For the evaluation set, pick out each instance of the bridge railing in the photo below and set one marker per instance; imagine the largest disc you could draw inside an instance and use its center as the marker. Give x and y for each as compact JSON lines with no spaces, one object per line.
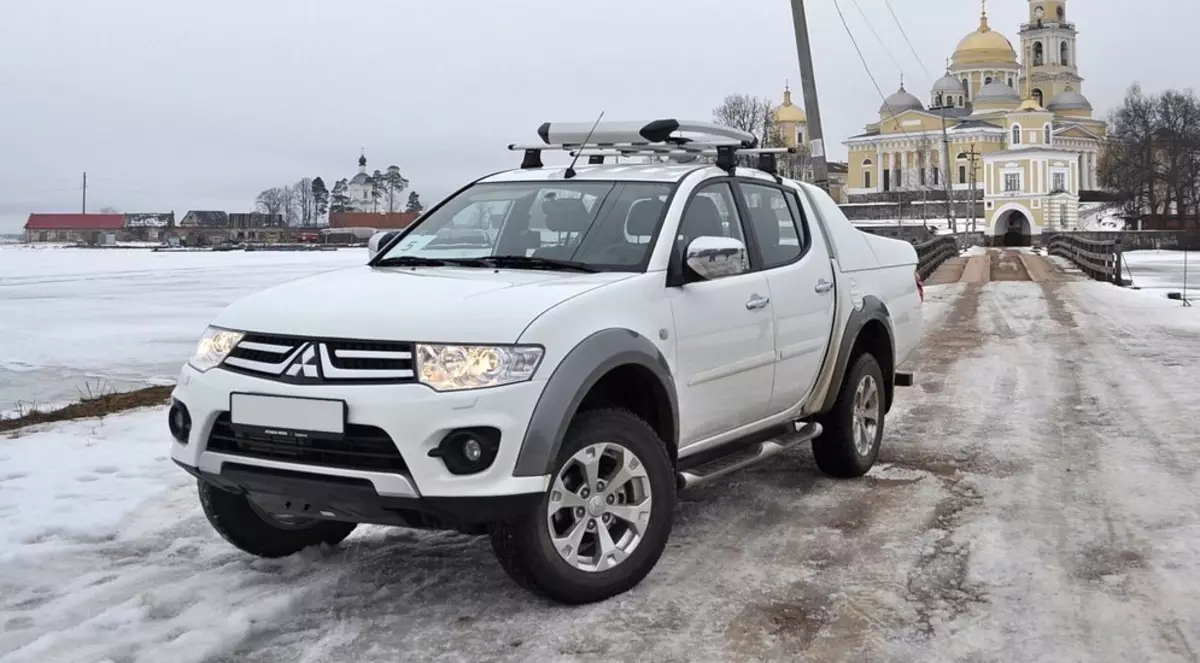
{"x":932,"y":254}
{"x":1099,"y":259}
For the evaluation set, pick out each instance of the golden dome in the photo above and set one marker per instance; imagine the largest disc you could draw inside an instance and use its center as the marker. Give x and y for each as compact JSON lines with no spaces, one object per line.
{"x":790,"y":112}
{"x":985,"y":46}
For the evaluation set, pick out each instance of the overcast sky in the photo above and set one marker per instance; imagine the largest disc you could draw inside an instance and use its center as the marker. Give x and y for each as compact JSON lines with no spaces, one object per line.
{"x":200,"y":105}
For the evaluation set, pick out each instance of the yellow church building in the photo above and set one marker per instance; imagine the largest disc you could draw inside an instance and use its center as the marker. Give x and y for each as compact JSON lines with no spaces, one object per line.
{"x":1020,"y":132}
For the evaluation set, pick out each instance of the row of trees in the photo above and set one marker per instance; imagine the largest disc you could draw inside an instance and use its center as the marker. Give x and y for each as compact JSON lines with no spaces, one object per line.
{"x":1151,"y":164}
{"x":300,"y":204}
{"x":306,"y":202}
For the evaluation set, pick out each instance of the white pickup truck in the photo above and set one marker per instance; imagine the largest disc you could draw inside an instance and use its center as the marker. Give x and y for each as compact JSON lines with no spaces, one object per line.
{"x":549,"y":354}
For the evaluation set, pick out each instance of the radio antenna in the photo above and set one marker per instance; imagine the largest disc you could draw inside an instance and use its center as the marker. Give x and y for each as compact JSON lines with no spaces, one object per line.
{"x":571,"y":168}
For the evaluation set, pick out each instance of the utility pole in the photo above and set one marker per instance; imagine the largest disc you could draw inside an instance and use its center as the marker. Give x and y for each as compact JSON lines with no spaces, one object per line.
{"x":972,"y":157}
{"x":808,"y":86}
{"x":949,"y":177}
{"x":85,"y":192}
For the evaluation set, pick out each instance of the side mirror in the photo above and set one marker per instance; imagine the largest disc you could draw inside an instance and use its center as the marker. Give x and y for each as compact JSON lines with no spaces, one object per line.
{"x":712,"y":257}
{"x":377,"y":241}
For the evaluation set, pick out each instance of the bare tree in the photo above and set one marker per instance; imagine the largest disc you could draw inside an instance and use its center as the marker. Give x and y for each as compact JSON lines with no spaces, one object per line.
{"x":745,"y":112}
{"x":291,"y":210}
{"x":1152,"y":161}
{"x":923,"y":177}
{"x":272,"y":201}
{"x":306,"y":203}
{"x":750,"y":114}
{"x":794,"y":166}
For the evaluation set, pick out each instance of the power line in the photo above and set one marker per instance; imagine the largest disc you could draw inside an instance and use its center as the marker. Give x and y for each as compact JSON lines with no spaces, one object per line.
{"x":888,"y":107}
{"x":907,"y":40}
{"x":877,"y":37}
{"x":867,"y":67}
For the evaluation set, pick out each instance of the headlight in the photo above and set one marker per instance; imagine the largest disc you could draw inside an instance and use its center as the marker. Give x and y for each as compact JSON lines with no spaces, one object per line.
{"x":455,"y":367}
{"x":214,"y":346}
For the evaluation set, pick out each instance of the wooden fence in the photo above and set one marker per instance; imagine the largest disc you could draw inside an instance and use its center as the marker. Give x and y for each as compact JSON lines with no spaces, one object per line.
{"x":933,"y":253}
{"x":1099,"y":259}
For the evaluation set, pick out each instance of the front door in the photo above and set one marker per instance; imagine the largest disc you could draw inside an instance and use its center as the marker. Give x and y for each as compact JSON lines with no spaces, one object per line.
{"x":800,"y":278}
{"x":724,"y":330}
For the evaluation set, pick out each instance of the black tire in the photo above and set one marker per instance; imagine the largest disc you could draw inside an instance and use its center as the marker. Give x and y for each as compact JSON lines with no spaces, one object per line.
{"x":523,"y":545}
{"x":239,"y":523}
{"x":835,"y":451}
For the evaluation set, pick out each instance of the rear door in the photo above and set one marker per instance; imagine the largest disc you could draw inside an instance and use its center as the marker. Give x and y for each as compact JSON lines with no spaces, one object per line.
{"x":800,"y":278}
{"x":724,"y":328}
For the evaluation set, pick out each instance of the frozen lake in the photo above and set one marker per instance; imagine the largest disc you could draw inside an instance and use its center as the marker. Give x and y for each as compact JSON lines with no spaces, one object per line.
{"x":1160,"y":272}
{"x":71,"y":319}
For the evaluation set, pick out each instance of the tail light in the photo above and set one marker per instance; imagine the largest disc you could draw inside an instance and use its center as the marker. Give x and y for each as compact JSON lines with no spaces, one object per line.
{"x":920,"y":286}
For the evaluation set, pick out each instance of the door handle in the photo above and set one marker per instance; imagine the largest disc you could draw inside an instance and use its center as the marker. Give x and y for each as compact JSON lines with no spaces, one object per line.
{"x":823,"y":286}
{"x":756,"y":302}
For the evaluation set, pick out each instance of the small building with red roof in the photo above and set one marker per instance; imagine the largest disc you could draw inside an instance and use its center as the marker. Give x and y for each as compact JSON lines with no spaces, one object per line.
{"x":87,"y":228}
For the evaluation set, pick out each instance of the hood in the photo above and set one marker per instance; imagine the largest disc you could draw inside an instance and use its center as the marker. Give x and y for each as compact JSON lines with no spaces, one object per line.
{"x":443,"y":304}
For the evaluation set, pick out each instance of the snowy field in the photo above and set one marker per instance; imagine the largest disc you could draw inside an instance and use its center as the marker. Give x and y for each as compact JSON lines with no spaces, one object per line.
{"x":73,"y":319}
{"x":1160,"y":272}
{"x":1035,"y":501}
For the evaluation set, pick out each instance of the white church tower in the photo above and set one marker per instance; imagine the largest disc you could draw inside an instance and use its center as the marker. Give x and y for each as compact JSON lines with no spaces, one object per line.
{"x":359,"y":189}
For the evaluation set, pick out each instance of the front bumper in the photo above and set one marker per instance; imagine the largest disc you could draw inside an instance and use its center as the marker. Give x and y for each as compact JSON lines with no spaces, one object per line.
{"x":336,"y":498}
{"x":415,"y":417}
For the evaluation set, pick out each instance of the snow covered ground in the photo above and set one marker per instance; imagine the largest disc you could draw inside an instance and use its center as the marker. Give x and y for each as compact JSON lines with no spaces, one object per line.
{"x":73,"y":319}
{"x":1035,"y":501}
{"x":1160,"y":272}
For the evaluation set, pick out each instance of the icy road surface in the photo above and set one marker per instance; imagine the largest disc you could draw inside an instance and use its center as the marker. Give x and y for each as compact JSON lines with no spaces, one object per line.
{"x":73,"y":319}
{"x":1037,"y":500}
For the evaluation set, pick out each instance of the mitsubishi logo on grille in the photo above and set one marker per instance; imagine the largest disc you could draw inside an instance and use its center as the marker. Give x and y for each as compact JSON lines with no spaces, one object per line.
{"x":304,"y":363}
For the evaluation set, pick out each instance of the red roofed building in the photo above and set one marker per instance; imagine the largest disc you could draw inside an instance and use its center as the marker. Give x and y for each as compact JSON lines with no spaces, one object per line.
{"x":379,"y":221}
{"x":90,"y":228}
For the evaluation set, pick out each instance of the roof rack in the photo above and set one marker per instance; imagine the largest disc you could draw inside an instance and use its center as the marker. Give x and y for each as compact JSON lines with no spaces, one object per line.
{"x":654,"y":138}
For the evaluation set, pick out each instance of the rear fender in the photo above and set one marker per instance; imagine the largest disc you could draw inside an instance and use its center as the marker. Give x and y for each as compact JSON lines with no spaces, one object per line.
{"x":873,"y":309}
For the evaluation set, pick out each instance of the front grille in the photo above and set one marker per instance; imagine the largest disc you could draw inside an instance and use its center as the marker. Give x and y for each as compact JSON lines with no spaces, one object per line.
{"x":370,"y":355}
{"x":309,"y":360}
{"x":252,"y":348}
{"x":361,"y":448}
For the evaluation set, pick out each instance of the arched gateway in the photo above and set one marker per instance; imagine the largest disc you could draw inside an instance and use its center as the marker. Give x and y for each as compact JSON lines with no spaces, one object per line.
{"x":1013,"y":228}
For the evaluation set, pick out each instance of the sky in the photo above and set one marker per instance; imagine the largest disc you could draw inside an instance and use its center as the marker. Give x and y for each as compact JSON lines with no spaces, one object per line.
{"x":177,"y":106}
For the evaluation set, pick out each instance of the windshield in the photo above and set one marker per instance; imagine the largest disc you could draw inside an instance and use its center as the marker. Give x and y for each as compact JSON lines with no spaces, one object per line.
{"x":607,"y":226}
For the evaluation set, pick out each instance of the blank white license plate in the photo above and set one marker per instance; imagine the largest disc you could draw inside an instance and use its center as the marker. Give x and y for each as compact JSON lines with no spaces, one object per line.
{"x":288,"y":414}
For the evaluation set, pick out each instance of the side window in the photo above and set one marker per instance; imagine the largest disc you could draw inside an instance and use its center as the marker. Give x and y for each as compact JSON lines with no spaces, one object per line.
{"x":780,"y":240}
{"x":802,"y":238}
{"x":711,"y":213}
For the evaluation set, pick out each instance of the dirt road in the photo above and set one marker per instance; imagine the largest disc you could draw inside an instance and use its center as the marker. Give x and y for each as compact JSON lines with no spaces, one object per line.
{"x":1037,"y":500}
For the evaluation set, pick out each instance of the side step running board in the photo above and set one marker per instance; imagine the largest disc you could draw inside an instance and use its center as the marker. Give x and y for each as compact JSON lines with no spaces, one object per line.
{"x":746,"y":456}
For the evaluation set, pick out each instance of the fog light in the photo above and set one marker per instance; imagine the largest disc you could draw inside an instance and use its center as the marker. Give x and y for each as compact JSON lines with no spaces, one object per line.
{"x":472,"y":450}
{"x":179,"y":421}
{"x":468,"y":450}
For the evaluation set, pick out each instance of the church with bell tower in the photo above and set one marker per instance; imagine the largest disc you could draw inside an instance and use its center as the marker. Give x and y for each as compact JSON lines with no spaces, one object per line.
{"x":1021,"y":134}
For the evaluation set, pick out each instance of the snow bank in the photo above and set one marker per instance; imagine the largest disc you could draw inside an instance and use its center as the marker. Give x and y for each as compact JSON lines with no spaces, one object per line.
{"x":105,"y":555}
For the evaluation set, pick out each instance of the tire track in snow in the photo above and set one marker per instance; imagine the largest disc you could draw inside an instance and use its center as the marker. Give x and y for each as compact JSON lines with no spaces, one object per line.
{"x":1150,"y":465}
{"x":1068,"y":569}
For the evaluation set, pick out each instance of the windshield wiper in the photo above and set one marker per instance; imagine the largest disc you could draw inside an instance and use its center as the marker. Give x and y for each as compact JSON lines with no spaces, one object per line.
{"x":419,"y":261}
{"x":534,"y":262}
{"x":409,"y":261}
